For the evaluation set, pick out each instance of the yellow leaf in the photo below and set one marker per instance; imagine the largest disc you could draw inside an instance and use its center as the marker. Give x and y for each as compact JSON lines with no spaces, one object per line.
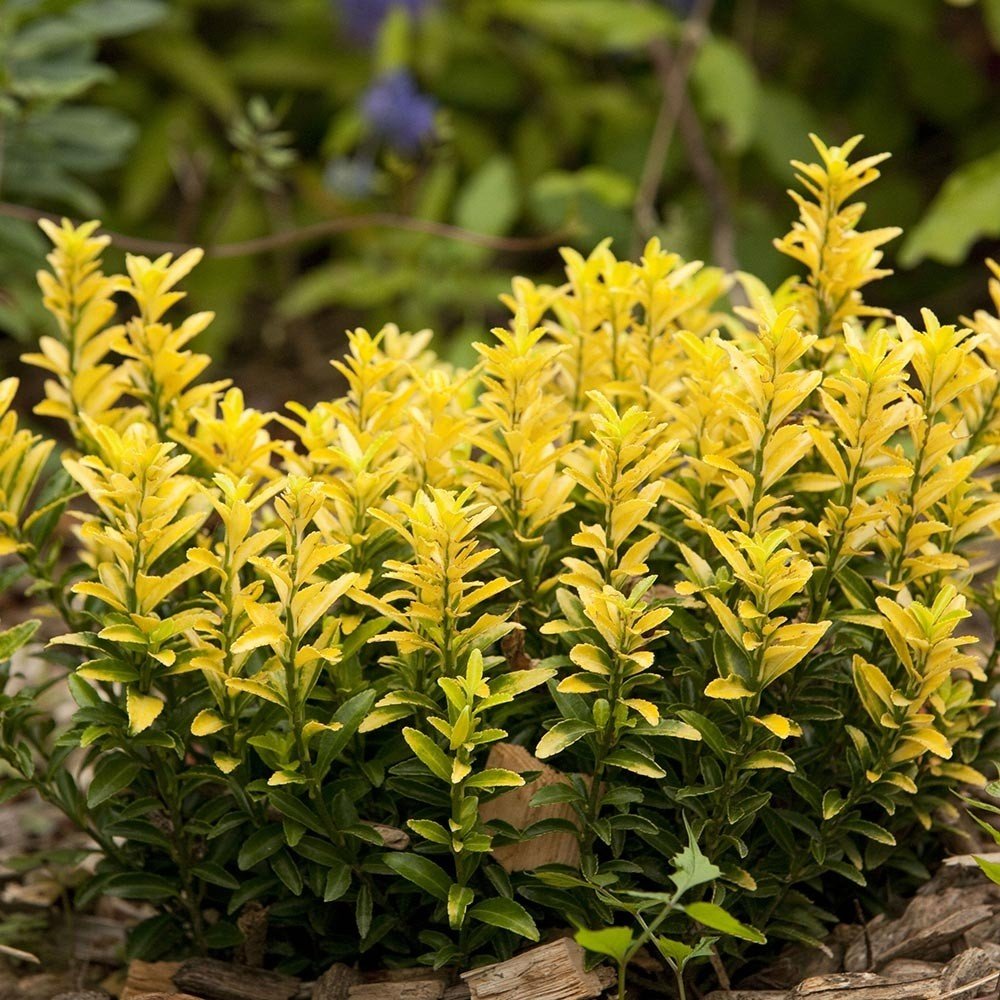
{"x":225,"y":763}
{"x":142,"y":709}
{"x":727,"y":688}
{"x":779,"y":725}
{"x":581,"y":684}
{"x":259,"y":635}
{"x":254,"y":687}
{"x":313,"y":727}
{"x":589,"y":657}
{"x":206,"y":722}
{"x":645,"y":708}
{"x":932,"y":740}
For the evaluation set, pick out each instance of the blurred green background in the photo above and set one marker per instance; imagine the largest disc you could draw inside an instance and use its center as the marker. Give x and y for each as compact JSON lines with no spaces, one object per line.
{"x":457,"y":142}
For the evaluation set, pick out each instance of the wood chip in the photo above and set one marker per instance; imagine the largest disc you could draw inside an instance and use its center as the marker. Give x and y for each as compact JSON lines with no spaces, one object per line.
{"x":969,"y":974}
{"x":214,"y":980}
{"x":928,"y":923}
{"x":748,"y":995}
{"x":515,"y":807}
{"x":144,"y":978}
{"x":552,"y":971}
{"x":411,"y":989}
{"x":864,"y":986}
{"x":36,"y":894}
{"x":392,"y":837}
{"x":165,"y":996}
{"x":901,"y":969}
{"x":969,"y":860}
{"x":336,"y":982}
{"x":253,"y":923}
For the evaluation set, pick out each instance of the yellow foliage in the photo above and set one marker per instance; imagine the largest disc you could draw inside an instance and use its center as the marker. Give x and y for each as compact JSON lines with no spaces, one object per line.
{"x":706,"y":523}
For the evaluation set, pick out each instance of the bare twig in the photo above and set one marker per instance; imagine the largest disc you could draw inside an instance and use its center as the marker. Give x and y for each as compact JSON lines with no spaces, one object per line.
{"x":311,"y":233}
{"x":17,"y":953}
{"x":706,"y":170}
{"x":719,"y":969}
{"x":673,"y":67}
{"x":869,"y":956}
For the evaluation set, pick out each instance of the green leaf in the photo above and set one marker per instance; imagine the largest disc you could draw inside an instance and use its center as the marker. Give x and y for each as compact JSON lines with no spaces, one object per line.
{"x":112,"y":775}
{"x":784,"y":123}
{"x":691,"y":867}
{"x":764,"y":759}
{"x":730,"y":659}
{"x":260,"y":845}
{"x":338,"y":881}
{"x":284,"y":866}
{"x":614,"y":942}
{"x":727,"y":89}
{"x":288,"y":805}
{"x":153,"y":937}
{"x":429,"y":830}
{"x":966,"y":209}
{"x":495,"y":777}
{"x":354,"y":284}
{"x":505,"y":913}
{"x":592,"y":25}
{"x":421,"y":872}
{"x":562,"y":735}
{"x":214,"y":873}
{"x":856,"y":588}
{"x":991,"y":15}
{"x":392,"y":51}
{"x":140,"y":885}
{"x":563,"y":188}
{"x":459,"y":899}
{"x":710,"y":732}
{"x":847,"y":871}
{"x":717,"y":919}
{"x":871,"y":830}
{"x":560,"y":791}
{"x":833,"y":803}
{"x":675,"y":951}
{"x":321,"y":851}
{"x":108,"y":18}
{"x":990,"y":868}
{"x":223,"y":935}
{"x":14,"y":638}
{"x":490,"y":201}
{"x":428,"y":753}
{"x":363,"y":907}
{"x":633,"y":760}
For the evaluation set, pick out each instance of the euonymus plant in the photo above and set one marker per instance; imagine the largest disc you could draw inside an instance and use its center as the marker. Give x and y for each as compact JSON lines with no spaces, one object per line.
{"x":712,"y":565}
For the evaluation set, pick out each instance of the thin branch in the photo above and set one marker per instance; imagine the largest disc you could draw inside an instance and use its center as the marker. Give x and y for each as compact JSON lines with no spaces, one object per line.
{"x":312,"y":233}
{"x":709,"y":176}
{"x":673,"y":67}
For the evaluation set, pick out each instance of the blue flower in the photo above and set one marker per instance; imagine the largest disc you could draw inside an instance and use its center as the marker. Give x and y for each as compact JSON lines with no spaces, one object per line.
{"x":363,"y":18}
{"x":398,"y":113}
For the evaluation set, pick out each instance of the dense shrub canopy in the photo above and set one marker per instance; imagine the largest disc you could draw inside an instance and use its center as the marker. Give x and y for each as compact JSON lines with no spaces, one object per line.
{"x":715,"y":566}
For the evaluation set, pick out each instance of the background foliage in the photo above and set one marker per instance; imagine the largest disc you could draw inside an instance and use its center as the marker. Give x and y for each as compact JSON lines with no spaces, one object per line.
{"x":211,"y":121}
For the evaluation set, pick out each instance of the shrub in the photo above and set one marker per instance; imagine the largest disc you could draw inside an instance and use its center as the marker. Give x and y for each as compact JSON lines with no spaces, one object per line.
{"x":713,"y":565}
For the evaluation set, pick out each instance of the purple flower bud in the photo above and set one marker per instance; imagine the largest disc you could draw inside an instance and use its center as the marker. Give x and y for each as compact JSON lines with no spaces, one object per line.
{"x":398,"y":113}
